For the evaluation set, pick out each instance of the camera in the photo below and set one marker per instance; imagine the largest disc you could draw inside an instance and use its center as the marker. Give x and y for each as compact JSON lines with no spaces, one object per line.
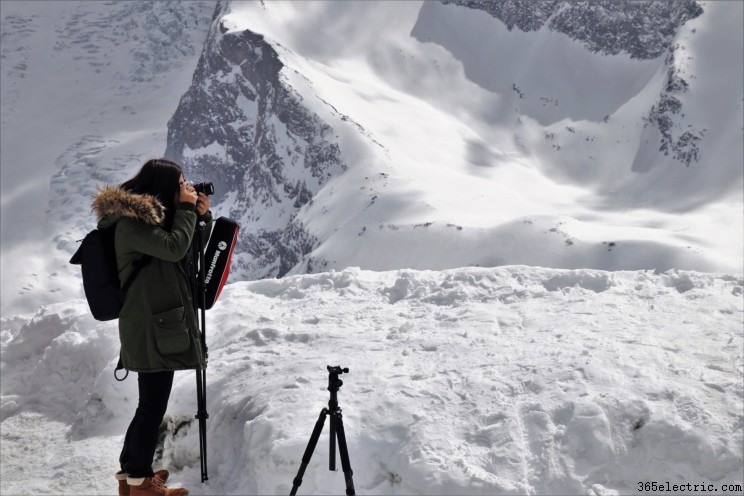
{"x":206,"y":188}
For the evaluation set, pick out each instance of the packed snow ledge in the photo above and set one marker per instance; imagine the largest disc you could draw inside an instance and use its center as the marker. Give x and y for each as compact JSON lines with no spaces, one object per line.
{"x":510,"y":380}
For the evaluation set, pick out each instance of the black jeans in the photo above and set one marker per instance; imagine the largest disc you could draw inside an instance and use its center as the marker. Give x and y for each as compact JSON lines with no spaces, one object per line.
{"x":142,"y":434}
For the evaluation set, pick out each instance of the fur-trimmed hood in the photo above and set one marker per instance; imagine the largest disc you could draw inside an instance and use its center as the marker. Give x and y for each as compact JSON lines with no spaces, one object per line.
{"x":111,"y":203}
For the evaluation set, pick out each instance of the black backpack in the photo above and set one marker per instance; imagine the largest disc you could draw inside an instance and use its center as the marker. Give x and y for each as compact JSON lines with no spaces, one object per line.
{"x":97,"y":256}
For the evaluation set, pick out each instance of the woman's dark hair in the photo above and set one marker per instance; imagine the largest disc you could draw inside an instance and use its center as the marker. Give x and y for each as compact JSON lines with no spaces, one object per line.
{"x":159,"y":178}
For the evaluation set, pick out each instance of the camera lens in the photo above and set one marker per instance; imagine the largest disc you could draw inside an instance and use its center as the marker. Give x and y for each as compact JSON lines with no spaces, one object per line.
{"x":206,"y":188}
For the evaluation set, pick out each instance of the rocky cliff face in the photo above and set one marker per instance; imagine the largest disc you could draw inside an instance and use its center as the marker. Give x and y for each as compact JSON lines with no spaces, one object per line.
{"x":241,"y":127}
{"x":643,"y":30}
{"x":675,"y":139}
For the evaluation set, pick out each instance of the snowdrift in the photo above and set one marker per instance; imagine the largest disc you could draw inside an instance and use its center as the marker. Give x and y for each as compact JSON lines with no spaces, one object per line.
{"x":511,"y":380}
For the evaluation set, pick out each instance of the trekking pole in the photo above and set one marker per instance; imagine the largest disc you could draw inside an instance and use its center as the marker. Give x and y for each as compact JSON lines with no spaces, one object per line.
{"x":201,"y":375}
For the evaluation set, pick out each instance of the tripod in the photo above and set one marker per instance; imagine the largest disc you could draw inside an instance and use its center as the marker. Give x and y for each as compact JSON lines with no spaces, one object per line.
{"x":337,"y":430}
{"x":199,"y":290}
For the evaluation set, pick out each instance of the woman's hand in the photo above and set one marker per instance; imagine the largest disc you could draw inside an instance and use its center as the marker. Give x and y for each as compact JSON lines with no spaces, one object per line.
{"x":187,"y":193}
{"x":202,"y":204}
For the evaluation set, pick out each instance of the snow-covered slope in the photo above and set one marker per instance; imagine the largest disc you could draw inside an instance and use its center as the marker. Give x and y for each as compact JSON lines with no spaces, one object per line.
{"x":87,"y":90}
{"x":513,"y":380}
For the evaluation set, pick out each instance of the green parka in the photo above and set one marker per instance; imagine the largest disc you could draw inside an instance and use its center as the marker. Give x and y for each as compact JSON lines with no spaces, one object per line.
{"x":157,"y":323}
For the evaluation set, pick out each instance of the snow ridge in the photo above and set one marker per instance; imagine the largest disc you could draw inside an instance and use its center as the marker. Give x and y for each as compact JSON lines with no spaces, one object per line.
{"x":510,"y":380}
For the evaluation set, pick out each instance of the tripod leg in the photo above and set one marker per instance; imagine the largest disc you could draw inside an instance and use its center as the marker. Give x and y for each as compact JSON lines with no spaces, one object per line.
{"x":202,"y":416}
{"x":332,"y":445}
{"x":309,"y":450}
{"x":198,"y":290}
{"x":344,"y":451}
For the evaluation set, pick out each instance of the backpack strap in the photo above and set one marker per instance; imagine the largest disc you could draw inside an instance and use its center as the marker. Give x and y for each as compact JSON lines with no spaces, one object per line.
{"x":138,"y":265}
{"x":119,"y":367}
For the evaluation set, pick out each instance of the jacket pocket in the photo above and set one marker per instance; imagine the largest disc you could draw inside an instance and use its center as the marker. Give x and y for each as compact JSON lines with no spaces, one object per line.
{"x":171,"y":331}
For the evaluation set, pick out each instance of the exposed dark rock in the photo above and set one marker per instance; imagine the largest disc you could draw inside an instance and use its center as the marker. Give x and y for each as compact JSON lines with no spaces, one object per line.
{"x":242,"y":127}
{"x":643,"y":30}
{"x":664,"y":114}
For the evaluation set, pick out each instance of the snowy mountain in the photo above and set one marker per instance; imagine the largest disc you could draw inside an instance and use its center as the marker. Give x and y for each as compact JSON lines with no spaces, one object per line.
{"x":242,"y":128}
{"x":430,"y":136}
{"x":439,"y":135}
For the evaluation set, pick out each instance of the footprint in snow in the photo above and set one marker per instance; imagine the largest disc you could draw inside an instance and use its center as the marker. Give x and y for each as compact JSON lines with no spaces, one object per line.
{"x":298,"y":338}
{"x":262,"y":337}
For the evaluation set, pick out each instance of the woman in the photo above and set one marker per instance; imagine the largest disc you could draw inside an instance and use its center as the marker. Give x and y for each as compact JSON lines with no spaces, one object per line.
{"x":154,"y":214}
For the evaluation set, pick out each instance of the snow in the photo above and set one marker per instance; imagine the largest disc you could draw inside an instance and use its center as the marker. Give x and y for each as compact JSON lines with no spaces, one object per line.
{"x":510,"y":380}
{"x":484,"y":128}
{"x":89,"y":107}
{"x":517,"y":318}
{"x":213,"y":149}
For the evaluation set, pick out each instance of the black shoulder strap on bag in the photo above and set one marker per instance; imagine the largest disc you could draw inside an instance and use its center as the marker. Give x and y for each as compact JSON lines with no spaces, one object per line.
{"x":138,"y":265}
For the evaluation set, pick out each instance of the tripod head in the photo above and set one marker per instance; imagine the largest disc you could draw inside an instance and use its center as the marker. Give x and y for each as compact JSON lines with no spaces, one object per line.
{"x":333,"y":381}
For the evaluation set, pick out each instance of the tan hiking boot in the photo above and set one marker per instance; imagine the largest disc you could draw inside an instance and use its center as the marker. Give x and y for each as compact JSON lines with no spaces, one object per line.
{"x":121,"y":477}
{"x":152,"y":486}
